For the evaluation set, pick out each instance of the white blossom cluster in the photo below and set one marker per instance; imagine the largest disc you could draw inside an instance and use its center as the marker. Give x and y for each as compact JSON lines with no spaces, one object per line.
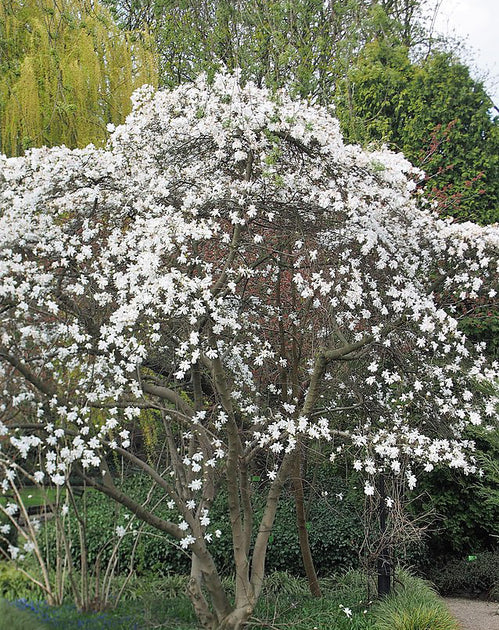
{"x":225,"y":227}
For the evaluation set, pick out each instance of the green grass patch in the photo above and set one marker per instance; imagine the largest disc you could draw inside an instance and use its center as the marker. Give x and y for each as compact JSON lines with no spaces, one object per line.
{"x":31,"y":496}
{"x":413,"y":606}
{"x":286,"y":602}
{"x":67,"y":617}
{"x":11,"y":618}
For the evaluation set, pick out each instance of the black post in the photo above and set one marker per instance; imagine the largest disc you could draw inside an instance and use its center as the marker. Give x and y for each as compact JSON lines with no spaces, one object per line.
{"x":383,"y":562}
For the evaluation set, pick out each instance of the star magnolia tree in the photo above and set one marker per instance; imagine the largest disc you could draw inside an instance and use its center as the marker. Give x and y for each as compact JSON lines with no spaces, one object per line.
{"x":230,"y":264}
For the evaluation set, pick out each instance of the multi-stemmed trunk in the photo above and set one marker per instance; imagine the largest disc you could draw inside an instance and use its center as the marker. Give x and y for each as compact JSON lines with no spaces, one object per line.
{"x":211,"y":602}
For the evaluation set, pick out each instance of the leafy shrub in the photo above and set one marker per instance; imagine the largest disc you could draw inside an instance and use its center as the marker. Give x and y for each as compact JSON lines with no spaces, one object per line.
{"x":335,"y":531}
{"x":15,"y":585}
{"x":467,"y":507}
{"x":465,"y":577}
{"x":154,"y":553}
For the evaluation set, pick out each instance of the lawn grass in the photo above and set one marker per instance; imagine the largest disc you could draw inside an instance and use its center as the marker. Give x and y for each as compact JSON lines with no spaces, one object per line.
{"x":32,"y":496}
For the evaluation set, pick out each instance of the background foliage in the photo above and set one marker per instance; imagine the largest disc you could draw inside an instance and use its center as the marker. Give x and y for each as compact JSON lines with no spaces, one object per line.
{"x":387,"y":76}
{"x":335,"y":531}
{"x":66,"y":71}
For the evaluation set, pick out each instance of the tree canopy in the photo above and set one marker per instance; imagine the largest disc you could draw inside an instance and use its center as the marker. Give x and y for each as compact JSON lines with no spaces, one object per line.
{"x":66,"y":71}
{"x":230,"y":265}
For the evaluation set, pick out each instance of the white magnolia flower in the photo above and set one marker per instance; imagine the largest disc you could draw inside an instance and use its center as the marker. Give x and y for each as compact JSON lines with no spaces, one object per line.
{"x":368,"y":489}
{"x":120,"y":531}
{"x":13,"y":552}
{"x":187,"y":541}
{"x":11,"y":509}
{"x":39,"y":476}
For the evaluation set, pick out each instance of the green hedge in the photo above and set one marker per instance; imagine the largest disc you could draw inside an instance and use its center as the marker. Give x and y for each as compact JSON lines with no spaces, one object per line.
{"x":155,"y":551}
{"x":334,"y":525}
{"x":466,"y":506}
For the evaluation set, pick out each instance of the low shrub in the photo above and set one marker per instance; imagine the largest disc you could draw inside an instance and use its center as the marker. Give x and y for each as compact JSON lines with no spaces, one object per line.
{"x":16,"y":585}
{"x":473,"y":576}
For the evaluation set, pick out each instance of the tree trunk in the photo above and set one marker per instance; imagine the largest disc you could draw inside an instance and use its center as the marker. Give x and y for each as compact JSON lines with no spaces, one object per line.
{"x":301,"y":524}
{"x":195,"y":590}
{"x":383,"y":561}
{"x":237,"y":619}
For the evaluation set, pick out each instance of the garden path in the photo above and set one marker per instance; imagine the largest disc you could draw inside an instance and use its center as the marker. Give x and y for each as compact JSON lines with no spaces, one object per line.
{"x":474,"y":614}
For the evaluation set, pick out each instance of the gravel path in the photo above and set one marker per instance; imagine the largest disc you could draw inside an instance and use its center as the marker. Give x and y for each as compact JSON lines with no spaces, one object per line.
{"x":474,"y":614}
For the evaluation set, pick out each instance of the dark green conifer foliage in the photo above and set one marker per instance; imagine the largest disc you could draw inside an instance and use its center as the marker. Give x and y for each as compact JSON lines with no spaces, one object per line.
{"x":436,"y":114}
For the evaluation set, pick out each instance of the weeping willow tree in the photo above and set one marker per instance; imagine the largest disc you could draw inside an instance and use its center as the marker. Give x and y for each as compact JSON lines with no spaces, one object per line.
{"x":66,"y":72}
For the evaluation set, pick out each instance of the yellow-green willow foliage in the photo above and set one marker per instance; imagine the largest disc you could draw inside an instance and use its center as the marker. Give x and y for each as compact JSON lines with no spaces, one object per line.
{"x":66,"y":71}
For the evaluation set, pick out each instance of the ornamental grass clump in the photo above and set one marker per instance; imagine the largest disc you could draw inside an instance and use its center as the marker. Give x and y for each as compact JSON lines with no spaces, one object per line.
{"x":412,"y":606}
{"x":417,"y":617}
